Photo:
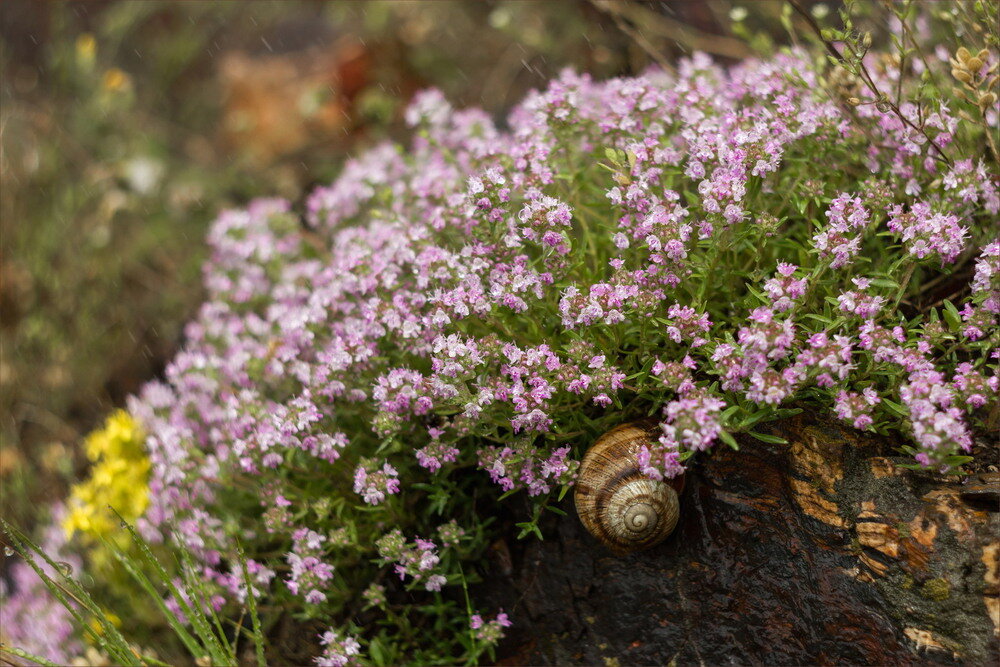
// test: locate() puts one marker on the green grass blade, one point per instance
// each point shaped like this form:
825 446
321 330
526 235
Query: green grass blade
190 643
21 653
473 644
219 650
197 619
111 640
154 662
258 635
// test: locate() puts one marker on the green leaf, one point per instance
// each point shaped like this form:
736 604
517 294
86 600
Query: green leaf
894 407
952 316
527 528
773 439
756 417
786 18
886 283
729 412
728 438
376 652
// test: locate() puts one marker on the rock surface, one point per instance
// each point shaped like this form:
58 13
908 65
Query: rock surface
821 551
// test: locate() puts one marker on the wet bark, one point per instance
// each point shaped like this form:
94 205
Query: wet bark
821 551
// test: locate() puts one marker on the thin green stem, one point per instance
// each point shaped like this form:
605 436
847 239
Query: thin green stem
903 284
474 654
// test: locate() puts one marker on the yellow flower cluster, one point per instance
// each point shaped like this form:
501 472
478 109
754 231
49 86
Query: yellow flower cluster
119 478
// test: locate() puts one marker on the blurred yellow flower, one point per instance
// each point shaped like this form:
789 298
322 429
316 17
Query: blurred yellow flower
115 80
86 47
99 629
119 478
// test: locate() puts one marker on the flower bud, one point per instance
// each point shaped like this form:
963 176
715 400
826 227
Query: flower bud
961 75
986 100
853 101
974 64
963 54
983 55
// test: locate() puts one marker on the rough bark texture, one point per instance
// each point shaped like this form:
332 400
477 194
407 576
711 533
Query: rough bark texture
821 551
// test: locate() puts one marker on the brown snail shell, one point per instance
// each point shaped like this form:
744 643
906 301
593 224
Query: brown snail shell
616 503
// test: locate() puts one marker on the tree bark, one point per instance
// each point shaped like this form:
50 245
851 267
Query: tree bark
821 551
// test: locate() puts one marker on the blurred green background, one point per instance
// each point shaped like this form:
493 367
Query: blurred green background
125 126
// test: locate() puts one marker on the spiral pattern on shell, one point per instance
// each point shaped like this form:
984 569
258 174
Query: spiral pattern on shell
616 503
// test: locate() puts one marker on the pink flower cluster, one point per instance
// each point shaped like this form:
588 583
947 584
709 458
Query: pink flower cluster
971 388
525 466
436 453
783 290
856 408
339 651
450 534
937 424
859 302
749 365
417 560
986 281
373 483
934 417
689 423
309 573
489 632
544 220
374 596
926 233
841 239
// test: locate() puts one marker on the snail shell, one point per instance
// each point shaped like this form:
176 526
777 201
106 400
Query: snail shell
616 503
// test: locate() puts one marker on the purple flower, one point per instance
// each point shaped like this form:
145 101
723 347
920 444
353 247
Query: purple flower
374 484
925 232
938 426
418 560
856 408
339 652
491 631
841 238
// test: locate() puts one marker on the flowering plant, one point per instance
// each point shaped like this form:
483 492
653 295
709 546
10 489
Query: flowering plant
716 247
